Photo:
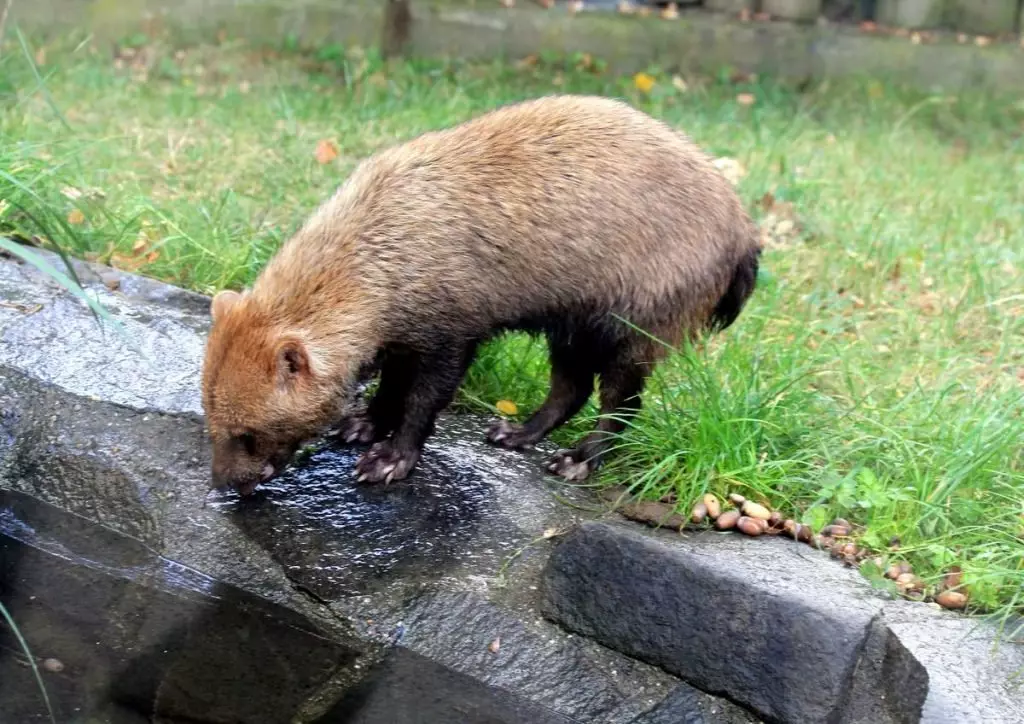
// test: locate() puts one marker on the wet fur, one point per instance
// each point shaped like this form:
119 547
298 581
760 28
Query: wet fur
559 216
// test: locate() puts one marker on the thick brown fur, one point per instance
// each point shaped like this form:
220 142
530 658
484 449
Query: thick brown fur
562 216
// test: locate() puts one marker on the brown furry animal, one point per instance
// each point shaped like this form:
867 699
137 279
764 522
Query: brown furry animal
562 216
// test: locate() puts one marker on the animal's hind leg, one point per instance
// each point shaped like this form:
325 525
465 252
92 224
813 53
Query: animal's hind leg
572 380
622 383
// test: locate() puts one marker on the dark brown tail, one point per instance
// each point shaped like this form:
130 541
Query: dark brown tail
741 286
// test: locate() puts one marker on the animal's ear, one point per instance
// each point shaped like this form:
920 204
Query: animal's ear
293 362
222 302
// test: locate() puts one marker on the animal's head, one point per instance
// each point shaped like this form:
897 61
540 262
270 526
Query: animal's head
265 391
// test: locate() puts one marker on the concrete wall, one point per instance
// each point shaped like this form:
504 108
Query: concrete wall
482 29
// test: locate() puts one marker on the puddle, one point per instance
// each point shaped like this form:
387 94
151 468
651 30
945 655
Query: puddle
139 638
337 537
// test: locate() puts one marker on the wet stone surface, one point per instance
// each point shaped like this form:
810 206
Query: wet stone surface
339 538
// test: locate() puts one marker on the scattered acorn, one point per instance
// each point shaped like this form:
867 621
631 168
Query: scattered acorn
775 519
737 499
837 530
727 520
951 599
804 534
789 526
714 507
699 513
897 569
751 526
953 578
754 510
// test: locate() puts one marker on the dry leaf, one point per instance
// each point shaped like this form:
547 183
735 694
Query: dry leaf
679 84
494 646
730 168
244 87
326 151
71 192
506 407
75 216
41 56
126 263
643 82
745 99
550 533
528 62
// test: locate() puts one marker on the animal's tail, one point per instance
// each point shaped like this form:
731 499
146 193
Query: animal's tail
741 286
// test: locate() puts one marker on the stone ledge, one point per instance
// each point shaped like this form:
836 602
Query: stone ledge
780 629
760 624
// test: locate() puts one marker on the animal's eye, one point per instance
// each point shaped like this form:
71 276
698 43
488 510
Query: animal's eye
248 441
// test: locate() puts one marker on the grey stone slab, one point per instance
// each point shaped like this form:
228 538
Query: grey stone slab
976 669
414 689
764 625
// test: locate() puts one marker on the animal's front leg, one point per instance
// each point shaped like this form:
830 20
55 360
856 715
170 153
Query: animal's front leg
384 413
434 379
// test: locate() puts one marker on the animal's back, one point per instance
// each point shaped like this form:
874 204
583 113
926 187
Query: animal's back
548 206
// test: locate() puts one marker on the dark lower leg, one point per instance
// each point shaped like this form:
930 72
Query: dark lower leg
434 381
621 387
384 412
572 381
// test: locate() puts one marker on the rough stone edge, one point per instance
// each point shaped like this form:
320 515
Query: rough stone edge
702 42
881 658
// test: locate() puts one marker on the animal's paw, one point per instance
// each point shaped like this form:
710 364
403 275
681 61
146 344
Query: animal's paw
571 465
357 428
384 463
509 435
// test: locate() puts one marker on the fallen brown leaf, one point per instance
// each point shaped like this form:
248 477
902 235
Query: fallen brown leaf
76 217
326 151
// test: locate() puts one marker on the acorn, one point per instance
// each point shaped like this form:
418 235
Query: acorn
727 520
953 600
753 510
713 506
699 513
751 526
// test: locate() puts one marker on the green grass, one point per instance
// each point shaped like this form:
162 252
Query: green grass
877 374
